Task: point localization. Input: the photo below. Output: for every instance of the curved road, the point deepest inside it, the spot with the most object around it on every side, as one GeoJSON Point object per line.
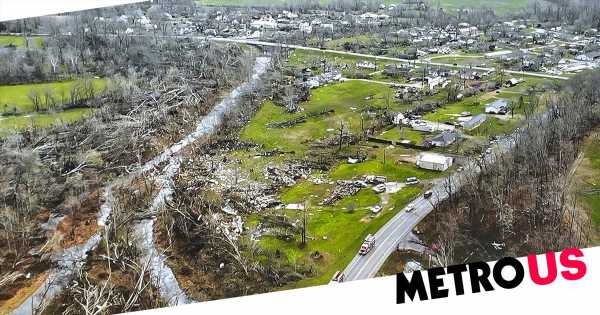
{"type": "Point", "coordinates": [388, 237]}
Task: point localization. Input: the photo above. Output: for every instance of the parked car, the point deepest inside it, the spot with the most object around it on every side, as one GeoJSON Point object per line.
{"type": "Point", "coordinates": [410, 208]}
{"type": "Point", "coordinates": [379, 188]}
{"type": "Point", "coordinates": [412, 181]}
{"type": "Point", "coordinates": [428, 194]}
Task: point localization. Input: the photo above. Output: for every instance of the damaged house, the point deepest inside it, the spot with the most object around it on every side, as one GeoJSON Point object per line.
{"type": "Point", "coordinates": [444, 139]}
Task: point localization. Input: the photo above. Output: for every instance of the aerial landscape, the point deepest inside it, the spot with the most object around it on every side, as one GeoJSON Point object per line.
{"type": "Point", "coordinates": [176, 151]}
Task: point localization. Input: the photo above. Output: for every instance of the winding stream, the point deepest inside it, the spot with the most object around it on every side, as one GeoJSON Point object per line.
{"type": "Point", "coordinates": [70, 261]}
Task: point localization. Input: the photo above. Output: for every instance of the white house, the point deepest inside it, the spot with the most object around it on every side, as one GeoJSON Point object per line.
{"type": "Point", "coordinates": [498, 107]}
{"type": "Point", "coordinates": [424, 126]}
{"type": "Point", "coordinates": [591, 56]}
{"type": "Point", "coordinates": [434, 161]}
{"type": "Point", "coordinates": [434, 81]}
{"type": "Point", "coordinates": [366, 65]}
{"type": "Point", "coordinates": [498, 54]}
{"type": "Point", "coordinates": [306, 28]}
{"type": "Point", "coordinates": [265, 22]}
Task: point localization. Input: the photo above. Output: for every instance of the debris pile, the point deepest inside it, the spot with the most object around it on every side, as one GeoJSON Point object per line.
{"type": "Point", "coordinates": [300, 119]}
{"type": "Point", "coordinates": [287, 175]}
{"type": "Point", "coordinates": [231, 226]}
{"type": "Point", "coordinates": [344, 188]}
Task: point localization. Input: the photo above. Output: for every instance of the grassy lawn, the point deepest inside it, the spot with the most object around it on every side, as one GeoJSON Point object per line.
{"type": "Point", "coordinates": [312, 59]}
{"type": "Point", "coordinates": [19, 41]}
{"type": "Point", "coordinates": [499, 6]}
{"type": "Point", "coordinates": [349, 100]}
{"type": "Point", "coordinates": [338, 44]}
{"type": "Point", "coordinates": [14, 98]}
{"type": "Point", "coordinates": [404, 133]}
{"type": "Point", "coordinates": [337, 233]}
{"type": "Point", "coordinates": [15, 123]}
{"type": "Point", "coordinates": [592, 155]}
{"type": "Point", "coordinates": [393, 171]}
{"type": "Point", "coordinates": [494, 127]}
{"type": "Point", "coordinates": [453, 110]}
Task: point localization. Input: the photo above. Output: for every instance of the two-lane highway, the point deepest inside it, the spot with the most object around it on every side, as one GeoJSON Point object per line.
{"type": "Point", "coordinates": [388, 237]}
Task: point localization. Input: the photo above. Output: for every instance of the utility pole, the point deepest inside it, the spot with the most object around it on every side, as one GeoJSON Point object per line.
{"type": "Point", "coordinates": [341, 136]}
{"type": "Point", "coordinates": [304, 223]}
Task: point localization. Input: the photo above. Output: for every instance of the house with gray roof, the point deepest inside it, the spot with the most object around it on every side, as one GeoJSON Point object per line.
{"type": "Point", "coordinates": [475, 122]}
{"type": "Point", "coordinates": [444, 139]}
{"type": "Point", "coordinates": [498, 107]}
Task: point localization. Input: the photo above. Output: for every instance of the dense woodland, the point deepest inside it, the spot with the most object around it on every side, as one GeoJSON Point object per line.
{"type": "Point", "coordinates": [152, 87]}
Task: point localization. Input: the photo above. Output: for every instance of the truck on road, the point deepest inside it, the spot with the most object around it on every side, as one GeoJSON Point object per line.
{"type": "Point", "coordinates": [338, 277]}
{"type": "Point", "coordinates": [367, 245]}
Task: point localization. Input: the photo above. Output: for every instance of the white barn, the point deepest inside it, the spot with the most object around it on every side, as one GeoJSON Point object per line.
{"type": "Point", "coordinates": [434, 162]}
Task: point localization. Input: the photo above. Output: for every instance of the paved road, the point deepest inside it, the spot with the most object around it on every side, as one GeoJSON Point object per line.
{"type": "Point", "coordinates": [279, 45]}
{"type": "Point", "coordinates": [419, 62]}
{"type": "Point", "coordinates": [387, 238]}
{"type": "Point", "coordinates": [399, 227]}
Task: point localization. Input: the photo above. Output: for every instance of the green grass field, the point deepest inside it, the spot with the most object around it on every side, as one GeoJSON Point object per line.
{"type": "Point", "coordinates": [349, 101]}
{"type": "Point", "coordinates": [499, 6]}
{"type": "Point", "coordinates": [397, 134]}
{"type": "Point", "coordinates": [15, 123]}
{"type": "Point", "coordinates": [19, 41]}
{"type": "Point", "coordinates": [336, 233]}
{"type": "Point", "coordinates": [451, 111]}
{"type": "Point", "coordinates": [15, 98]}
{"type": "Point", "coordinates": [312, 59]}
{"type": "Point", "coordinates": [592, 154]}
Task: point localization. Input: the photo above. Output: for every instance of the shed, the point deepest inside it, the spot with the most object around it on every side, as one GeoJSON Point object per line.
{"type": "Point", "coordinates": [434, 161]}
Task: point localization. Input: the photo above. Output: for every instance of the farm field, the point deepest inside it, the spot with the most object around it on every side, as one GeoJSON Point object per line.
{"type": "Point", "coordinates": [15, 98]}
{"type": "Point", "coordinates": [19, 41]}
{"type": "Point", "coordinates": [349, 100]}
{"type": "Point", "coordinates": [9, 124]}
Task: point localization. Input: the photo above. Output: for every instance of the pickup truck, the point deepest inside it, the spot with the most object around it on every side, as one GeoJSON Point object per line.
{"type": "Point", "coordinates": [338, 277]}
